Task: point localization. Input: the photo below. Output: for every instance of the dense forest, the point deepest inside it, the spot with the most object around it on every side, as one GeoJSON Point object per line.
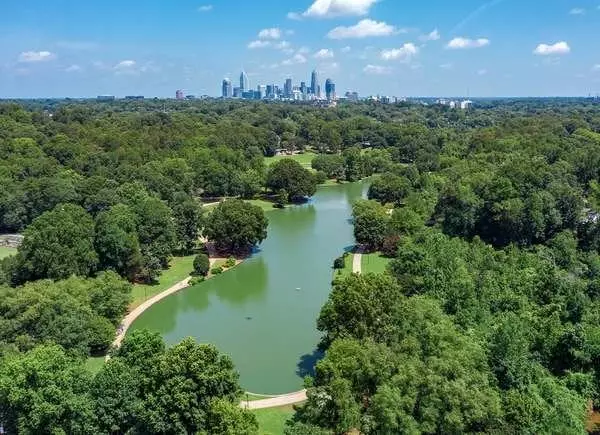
{"type": "Point", "coordinates": [487, 319]}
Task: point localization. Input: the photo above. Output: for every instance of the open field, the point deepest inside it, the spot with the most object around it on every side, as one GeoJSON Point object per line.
{"type": "Point", "coordinates": [374, 263]}
{"type": "Point", "coordinates": [94, 363]}
{"type": "Point", "coordinates": [304, 159]}
{"type": "Point", "coordinates": [271, 421]}
{"type": "Point", "coordinates": [263, 203]}
{"type": "Point", "coordinates": [181, 267]}
{"type": "Point", "coordinates": [6, 252]}
{"type": "Point", "coordinates": [347, 270]}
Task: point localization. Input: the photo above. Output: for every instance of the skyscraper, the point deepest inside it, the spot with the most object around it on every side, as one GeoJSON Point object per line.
{"type": "Point", "coordinates": [244, 84]}
{"type": "Point", "coordinates": [179, 94]}
{"type": "Point", "coordinates": [227, 90]}
{"type": "Point", "coordinates": [315, 86]}
{"type": "Point", "coordinates": [287, 88]}
{"type": "Point", "coordinates": [330, 90]}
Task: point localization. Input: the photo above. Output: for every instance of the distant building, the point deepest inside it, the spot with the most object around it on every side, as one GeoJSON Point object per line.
{"type": "Point", "coordinates": [270, 91]}
{"type": "Point", "coordinates": [262, 91]}
{"type": "Point", "coordinates": [315, 87]}
{"type": "Point", "coordinates": [244, 83]}
{"type": "Point", "coordinates": [466, 104]}
{"type": "Point", "coordinates": [287, 88]}
{"type": "Point", "coordinates": [179, 94]}
{"type": "Point", "coordinates": [190, 97]}
{"type": "Point", "coordinates": [105, 98]}
{"type": "Point", "coordinates": [237, 92]}
{"type": "Point", "coordinates": [330, 90]}
{"type": "Point", "coordinates": [303, 88]}
{"type": "Point", "coordinates": [352, 96]}
{"type": "Point", "coordinates": [227, 90]}
{"type": "Point", "coordinates": [134, 97]}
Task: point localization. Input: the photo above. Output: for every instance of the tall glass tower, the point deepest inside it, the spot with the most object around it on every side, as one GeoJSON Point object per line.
{"type": "Point", "coordinates": [244, 84]}
{"type": "Point", "coordinates": [315, 86]}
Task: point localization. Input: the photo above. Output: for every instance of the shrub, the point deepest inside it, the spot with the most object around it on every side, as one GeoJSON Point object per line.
{"type": "Point", "coordinates": [339, 262]}
{"type": "Point", "coordinates": [216, 270]}
{"type": "Point", "coordinates": [201, 265]}
{"type": "Point", "coordinates": [230, 262]}
{"type": "Point", "coordinates": [196, 280]}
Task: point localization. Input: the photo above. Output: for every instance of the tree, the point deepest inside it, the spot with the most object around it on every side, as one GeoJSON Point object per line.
{"type": "Point", "coordinates": [289, 175]}
{"type": "Point", "coordinates": [188, 216]}
{"type": "Point", "coordinates": [44, 391]}
{"type": "Point", "coordinates": [201, 265]}
{"type": "Point", "coordinates": [236, 226]}
{"type": "Point", "coordinates": [370, 223]}
{"type": "Point", "coordinates": [333, 165]}
{"type": "Point", "coordinates": [58, 244]}
{"type": "Point", "coordinates": [182, 386]}
{"type": "Point", "coordinates": [389, 188]}
{"type": "Point", "coordinates": [116, 241]}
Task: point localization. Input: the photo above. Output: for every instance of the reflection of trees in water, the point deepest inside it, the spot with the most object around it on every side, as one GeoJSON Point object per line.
{"type": "Point", "coordinates": [246, 283]}
{"type": "Point", "coordinates": [295, 219]}
{"type": "Point", "coordinates": [196, 298]}
{"type": "Point", "coordinates": [306, 365]}
{"type": "Point", "coordinates": [160, 317]}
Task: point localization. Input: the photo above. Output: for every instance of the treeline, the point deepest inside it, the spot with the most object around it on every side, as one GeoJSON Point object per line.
{"type": "Point", "coordinates": [487, 319]}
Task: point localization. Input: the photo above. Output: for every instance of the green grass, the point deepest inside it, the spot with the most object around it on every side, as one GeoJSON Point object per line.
{"type": "Point", "coordinates": [94, 363]}
{"type": "Point", "coordinates": [6, 252]}
{"type": "Point", "coordinates": [304, 159]}
{"type": "Point", "coordinates": [264, 204]}
{"type": "Point", "coordinates": [180, 269]}
{"type": "Point", "coordinates": [271, 421]}
{"type": "Point", "coordinates": [374, 263]}
{"type": "Point", "coordinates": [347, 270]}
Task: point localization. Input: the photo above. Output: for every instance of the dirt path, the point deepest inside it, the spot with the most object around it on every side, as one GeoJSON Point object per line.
{"type": "Point", "coordinates": [357, 261]}
{"type": "Point", "coordinates": [137, 312]}
{"type": "Point", "coordinates": [276, 401]}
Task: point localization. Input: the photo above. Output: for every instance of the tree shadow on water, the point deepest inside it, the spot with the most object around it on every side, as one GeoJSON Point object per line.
{"type": "Point", "coordinates": [307, 363]}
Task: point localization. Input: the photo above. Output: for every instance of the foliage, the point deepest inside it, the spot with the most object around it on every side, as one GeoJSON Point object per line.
{"type": "Point", "coordinates": [217, 270]}
{"type": "Point", "coordinates": [201, 265]}
{"type": "Point", "coordinates": [236, 226]}
{"type": "Point", "coordinates": [297, 181]}
{"type": "Point", "coordinates": [230, 262]}
{"type": "Point", "coordinates": [370, 223]}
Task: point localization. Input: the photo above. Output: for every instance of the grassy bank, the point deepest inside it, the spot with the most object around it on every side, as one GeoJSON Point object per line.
{"type": "Point", "coordinates": [374, 263]}
{"type": "Point", "coordinates": [271, 421]}
{"type": "Point", "coordinates": [180, 269]}
{"type": "Point", "coordinates": [6, 252]}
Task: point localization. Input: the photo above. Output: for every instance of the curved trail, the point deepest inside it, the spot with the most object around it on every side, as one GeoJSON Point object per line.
{"type": "Point", "coordinates": [275, 401]}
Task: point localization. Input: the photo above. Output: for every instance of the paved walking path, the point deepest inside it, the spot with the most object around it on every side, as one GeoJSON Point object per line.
{"type": "Point", "coordinates": [357, 261]}
{"type": "Point", "coordinates": [276, 401]}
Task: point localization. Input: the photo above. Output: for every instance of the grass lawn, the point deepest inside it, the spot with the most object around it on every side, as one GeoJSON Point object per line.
{"type": "Point", "coordinates": [180, 269]}
{"type": "Point", "coordinates": [94, 363]}
{"type": "Point", "coordinates": [7, 252]}
{"type": "Point", "coordinates": [304, 159]}
{"type": "Point", "coordinates": [347, 270]}
{"type": "Point", "coordinates": [264, 204]}
{"type": "Point", "coordinates": [271, 421]}
{"type": "Point", "coordinates": [374, 263]}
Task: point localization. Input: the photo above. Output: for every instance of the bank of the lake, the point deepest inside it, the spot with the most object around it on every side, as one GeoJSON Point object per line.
{"type": "Point", "coordinates": [263, 312]}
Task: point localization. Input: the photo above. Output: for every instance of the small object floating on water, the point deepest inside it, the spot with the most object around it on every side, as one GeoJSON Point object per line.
{"type": "Point", "coordinates": [297, 289]}
{"type": "Point", "coordinates": [248, 318]}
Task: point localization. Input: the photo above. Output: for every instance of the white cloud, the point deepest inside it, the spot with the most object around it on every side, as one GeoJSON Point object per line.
{"type": "Point", "coordinates": [335, 8]}
{"type": "Point", "coordinates": [205, 8]}
{"type": "Point", "coordinates": [463, 43]}
{"type": "Point", "coordinates": [272, 33]}
{"type": "Point", "coordinates": [377, 70]}
{"type": "Point", "coordinates": [283, 45]}
{"type": "Point", "coordinates": [482, 72]}
{"type": "Point", "coordinates": [36, 56]}
{"type": "Point", "coordinates": [73, 68]}
{"type": "Point", "coordinates": [323, 53]}
{"type": "Point", "coordinates": [552, 49]}
{"type": "Point", "coordinates": [365, 28]}
{"type": "Point", "coordinates": [404, 53]}
{"type": "Point", "coordinates": [433, 36]}
{"type": "Point", "coordinates": [577, 11]}
{"type": "Point", "coordinates": [304, 50]}
{"type": "Point", "coordinates": [259, 44]}
{"type": "Point", "coordinates": [446, 66]}
{"type": "Point", "coordinates": [597, 66]}
{"type": "Point", "coordinates": [346, 49]}
{"type": "Point", "coordinates": [296, 59]}
{"type": "Point", "coordinates": [126, 67]}
{"type": "Point", "coordinates": [294, 16]}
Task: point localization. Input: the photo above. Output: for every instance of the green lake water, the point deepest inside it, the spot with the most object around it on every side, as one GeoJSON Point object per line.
{"type": "Point", "coordinates": [263, 313]}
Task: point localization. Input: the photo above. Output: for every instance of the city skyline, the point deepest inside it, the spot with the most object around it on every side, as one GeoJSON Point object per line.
{"type": "Point", "coordinates": [371, 46]}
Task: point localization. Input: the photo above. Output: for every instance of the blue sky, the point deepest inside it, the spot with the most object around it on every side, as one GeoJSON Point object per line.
{"type": "Point", "coordinates": [389, 47]}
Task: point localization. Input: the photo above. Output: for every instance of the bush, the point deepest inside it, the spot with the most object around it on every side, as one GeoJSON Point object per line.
{"type": "Point", "coordinates": [230, 262]}
{"type": "Point", "coordinates": [196, 280]}
{"type": "Point", "coordinates": [216, 270]}
{"type": "Point", "coordinates": [339, 262]}
{"type": "Point", "coordinates": [320, 177]}
{"type": "Point", "coordinates": [201, 265]}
